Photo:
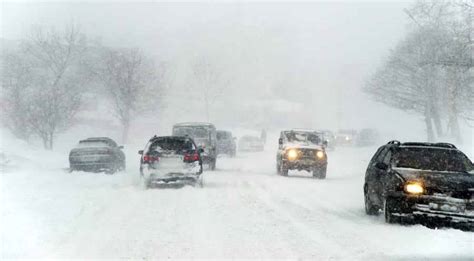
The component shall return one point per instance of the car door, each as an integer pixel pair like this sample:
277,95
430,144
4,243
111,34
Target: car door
381,175
374,183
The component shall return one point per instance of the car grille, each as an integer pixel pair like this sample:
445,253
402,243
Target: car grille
307,153
454,194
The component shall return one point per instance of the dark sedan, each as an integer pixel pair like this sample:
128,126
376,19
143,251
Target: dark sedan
96,155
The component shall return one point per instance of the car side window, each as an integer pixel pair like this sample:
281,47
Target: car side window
387,158
382,155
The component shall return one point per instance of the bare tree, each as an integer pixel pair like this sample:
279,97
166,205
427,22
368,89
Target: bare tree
132,82
430,72
210,82
42,83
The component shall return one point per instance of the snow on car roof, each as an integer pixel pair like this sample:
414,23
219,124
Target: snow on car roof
182,124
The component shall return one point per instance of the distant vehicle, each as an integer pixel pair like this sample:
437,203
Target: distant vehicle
301,150
330,138
367,137
205,137
346,137
96,155
250,144
169,159
414,182
226,143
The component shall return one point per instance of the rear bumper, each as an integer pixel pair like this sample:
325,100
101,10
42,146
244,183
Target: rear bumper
91,166
186,171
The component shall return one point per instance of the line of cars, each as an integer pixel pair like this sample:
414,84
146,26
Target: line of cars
411,182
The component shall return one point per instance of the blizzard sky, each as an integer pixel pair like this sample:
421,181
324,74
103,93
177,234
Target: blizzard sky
316,55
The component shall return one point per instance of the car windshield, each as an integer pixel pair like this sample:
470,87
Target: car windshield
194,132
303,137
171,145
92,144
431,159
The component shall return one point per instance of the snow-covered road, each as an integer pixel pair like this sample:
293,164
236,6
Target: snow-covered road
244,211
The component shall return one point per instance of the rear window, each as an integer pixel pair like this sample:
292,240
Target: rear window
431,159
171,145
92,144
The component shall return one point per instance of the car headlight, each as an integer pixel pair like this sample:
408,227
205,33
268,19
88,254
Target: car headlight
414,187
348,138
292,154
320,154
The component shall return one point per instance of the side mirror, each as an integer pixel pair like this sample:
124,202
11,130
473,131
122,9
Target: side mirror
280,141
140,152
325,143
120,147
201,150
381,165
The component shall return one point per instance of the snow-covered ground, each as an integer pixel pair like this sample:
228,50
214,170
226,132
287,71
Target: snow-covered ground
244,211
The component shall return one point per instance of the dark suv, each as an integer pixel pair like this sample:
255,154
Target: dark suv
301,150
170,159
429,183
205,136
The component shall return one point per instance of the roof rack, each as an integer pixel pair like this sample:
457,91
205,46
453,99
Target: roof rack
396,142
429,144
445,145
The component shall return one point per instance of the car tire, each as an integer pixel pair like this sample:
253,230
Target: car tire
284,170
212,164
319,172
390,208
370,208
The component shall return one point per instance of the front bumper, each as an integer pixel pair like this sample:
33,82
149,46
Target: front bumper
305,164
438,210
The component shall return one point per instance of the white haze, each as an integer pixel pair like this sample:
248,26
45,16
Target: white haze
286,64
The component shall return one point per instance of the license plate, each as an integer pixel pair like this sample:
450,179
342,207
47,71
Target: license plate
448,207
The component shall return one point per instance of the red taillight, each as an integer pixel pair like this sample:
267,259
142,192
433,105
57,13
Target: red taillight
191,157
150,159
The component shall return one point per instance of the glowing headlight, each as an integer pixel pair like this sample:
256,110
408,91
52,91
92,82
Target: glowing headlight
348,138
292,154
320,154
414,187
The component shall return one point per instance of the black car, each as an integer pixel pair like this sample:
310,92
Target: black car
226,143
171,159
301,150
429,183
96,155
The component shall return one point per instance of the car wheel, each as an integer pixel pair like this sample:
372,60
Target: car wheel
212,164
319,173
370,209
390,209
284,170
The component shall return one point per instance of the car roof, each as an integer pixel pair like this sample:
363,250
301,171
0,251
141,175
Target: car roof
98,139
170,137
438,145
224,131
301,130
192,124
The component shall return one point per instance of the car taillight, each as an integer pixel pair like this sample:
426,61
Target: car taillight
191,157
150,159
